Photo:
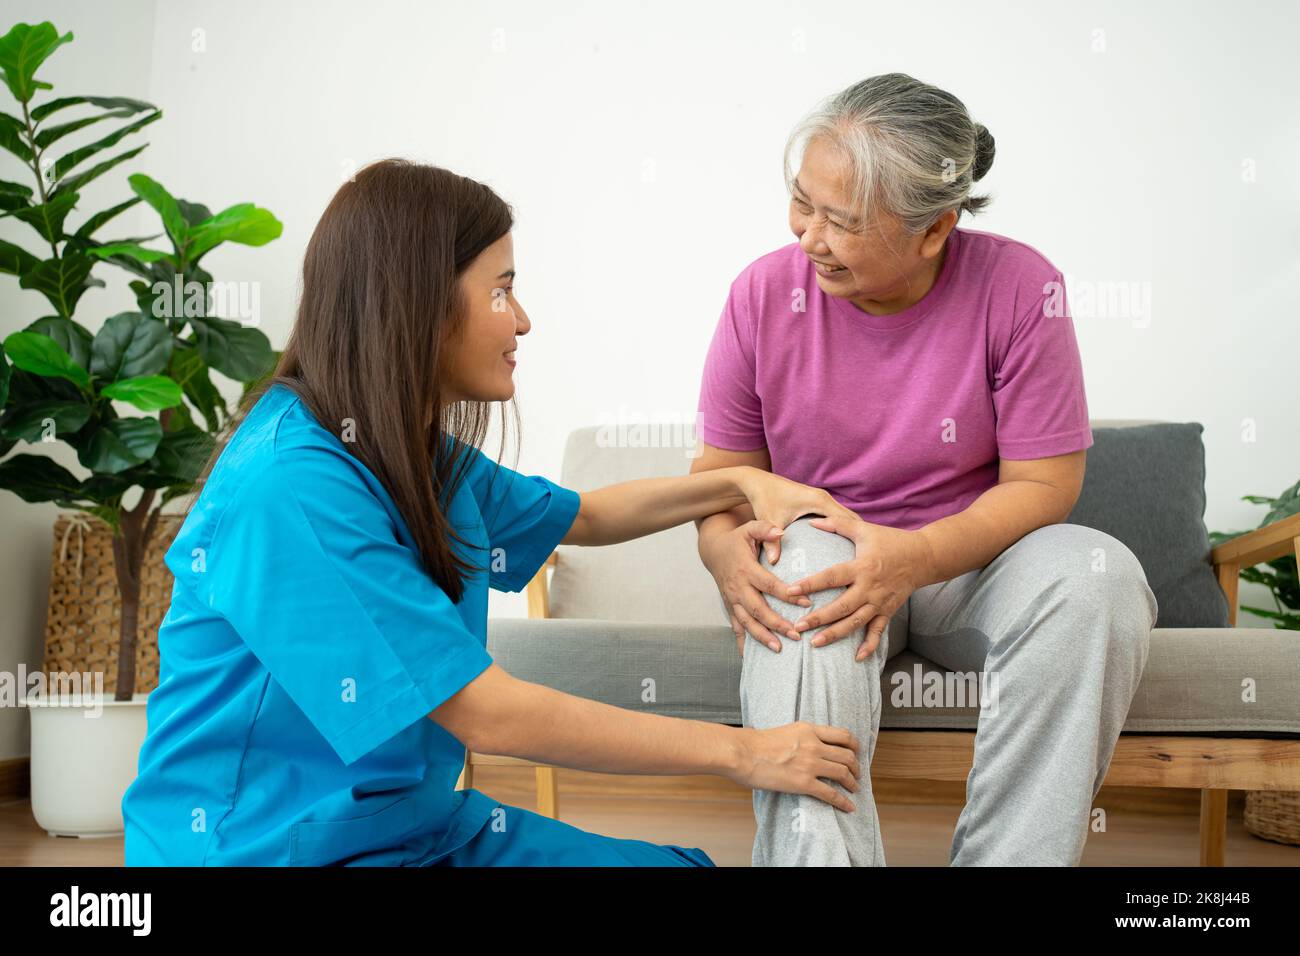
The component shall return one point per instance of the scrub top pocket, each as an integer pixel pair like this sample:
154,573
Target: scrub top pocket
372,840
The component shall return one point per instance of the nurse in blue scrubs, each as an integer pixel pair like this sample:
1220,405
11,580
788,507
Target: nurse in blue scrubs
323,660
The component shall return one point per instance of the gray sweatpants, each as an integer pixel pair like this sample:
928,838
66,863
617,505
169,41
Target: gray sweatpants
1055,629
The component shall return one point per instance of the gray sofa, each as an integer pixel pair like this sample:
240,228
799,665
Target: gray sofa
608,618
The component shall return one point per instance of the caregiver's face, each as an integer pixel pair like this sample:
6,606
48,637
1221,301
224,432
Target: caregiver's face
873,263
481,359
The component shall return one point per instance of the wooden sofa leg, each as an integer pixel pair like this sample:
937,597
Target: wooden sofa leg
1214,826
548,793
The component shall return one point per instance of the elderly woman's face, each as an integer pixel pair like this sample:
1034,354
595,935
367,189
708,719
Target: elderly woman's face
874,264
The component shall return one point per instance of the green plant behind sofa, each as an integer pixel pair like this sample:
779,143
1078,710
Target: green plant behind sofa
1281,580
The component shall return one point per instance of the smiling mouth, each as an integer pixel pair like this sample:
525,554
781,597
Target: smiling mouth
826,269
509,356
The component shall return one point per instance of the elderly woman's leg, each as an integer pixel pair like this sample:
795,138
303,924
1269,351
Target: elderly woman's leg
1060,624
821,685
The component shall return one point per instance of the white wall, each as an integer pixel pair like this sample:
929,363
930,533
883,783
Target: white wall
640,145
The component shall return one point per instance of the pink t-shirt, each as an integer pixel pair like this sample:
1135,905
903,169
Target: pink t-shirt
902,417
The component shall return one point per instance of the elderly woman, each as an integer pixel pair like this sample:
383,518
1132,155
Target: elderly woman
928,377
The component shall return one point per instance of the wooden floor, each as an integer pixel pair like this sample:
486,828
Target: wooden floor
718,817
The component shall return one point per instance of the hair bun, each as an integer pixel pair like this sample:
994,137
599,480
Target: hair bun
984,151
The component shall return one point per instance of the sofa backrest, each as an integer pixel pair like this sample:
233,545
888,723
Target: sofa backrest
657,579
1147,501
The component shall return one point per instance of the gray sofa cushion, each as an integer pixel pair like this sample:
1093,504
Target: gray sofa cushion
1145,485
1192,682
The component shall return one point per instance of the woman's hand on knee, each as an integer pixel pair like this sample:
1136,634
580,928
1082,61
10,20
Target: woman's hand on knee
888,566
733,562
800,758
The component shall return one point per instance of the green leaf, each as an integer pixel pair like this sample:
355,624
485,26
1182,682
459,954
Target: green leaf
14,196
138,253
29,387
133,266
15,260
72,337
234,350
178,418
103,102
47,218
13,137
176,296
245,223
120,444
155,195
1291,620
149,393
188,368
41,355
105,487
52,134
74,183
253,383
194,212
86,246
70,160
37,478
128,345
1285,505
6,372
182,454
28,422
22,50
98,219
61,281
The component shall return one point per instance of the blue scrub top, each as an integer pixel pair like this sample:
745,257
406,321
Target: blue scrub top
304,648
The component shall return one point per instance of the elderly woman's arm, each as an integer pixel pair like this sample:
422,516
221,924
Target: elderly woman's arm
1028,495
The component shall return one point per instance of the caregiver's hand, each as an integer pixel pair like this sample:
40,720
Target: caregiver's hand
795,758
889,565
778,501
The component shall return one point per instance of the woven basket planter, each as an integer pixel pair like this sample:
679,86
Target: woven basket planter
1274,815
81,628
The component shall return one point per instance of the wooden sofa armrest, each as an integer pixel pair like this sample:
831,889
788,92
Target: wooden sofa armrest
539,590
1254,547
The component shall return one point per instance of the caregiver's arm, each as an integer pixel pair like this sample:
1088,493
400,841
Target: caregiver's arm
496,713
1029,494
632,509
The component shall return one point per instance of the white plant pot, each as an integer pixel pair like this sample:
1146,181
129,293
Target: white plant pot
85,752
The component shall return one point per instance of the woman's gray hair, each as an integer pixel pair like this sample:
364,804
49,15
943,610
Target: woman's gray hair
913,149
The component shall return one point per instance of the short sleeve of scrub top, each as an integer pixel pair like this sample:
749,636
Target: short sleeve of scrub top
524,516
307,566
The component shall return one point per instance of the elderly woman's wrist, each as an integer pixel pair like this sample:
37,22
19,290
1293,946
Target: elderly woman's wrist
926,560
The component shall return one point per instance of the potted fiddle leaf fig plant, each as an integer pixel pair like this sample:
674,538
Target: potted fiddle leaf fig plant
134,399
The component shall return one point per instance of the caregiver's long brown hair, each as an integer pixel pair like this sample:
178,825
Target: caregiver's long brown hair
380,301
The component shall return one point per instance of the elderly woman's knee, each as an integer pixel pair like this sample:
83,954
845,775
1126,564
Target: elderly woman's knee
807,549
1095,569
